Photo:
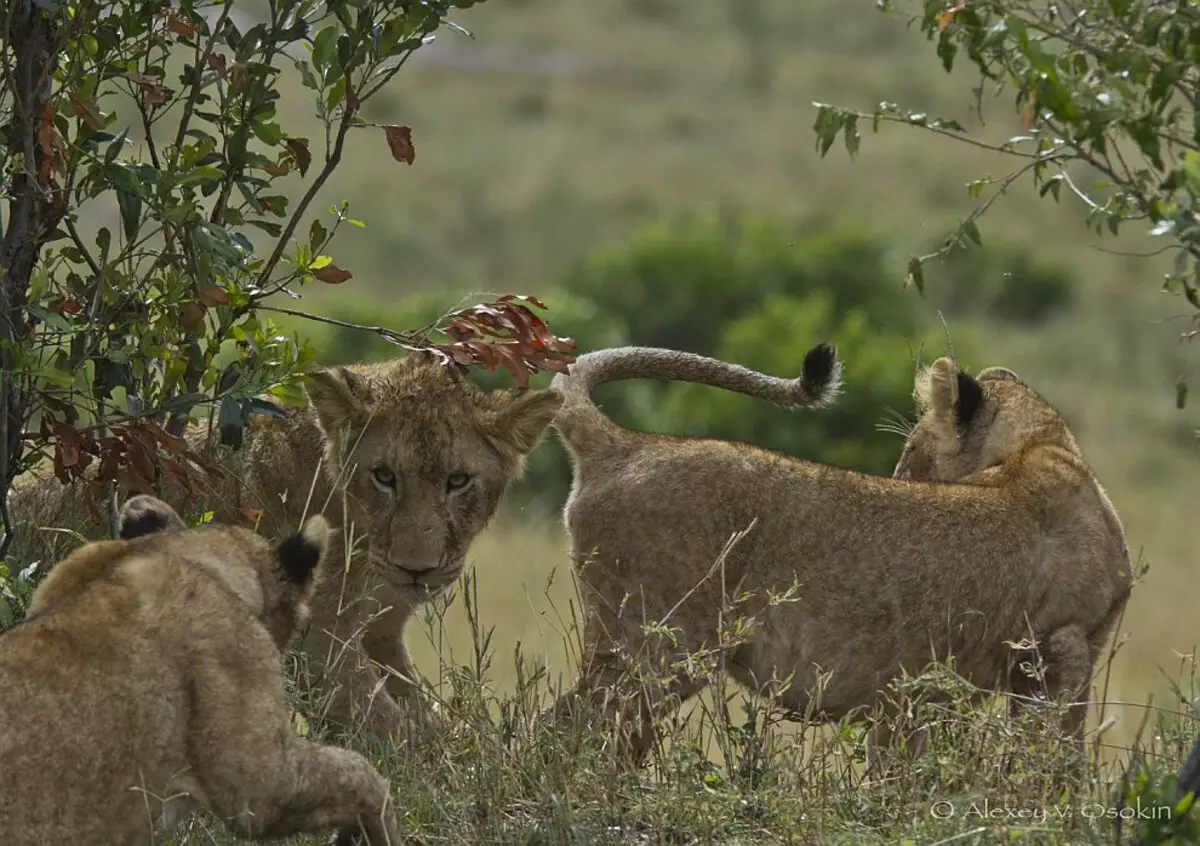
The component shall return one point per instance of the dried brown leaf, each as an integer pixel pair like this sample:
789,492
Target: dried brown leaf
399,139
299,149
211,295
85,109
191,316
331,274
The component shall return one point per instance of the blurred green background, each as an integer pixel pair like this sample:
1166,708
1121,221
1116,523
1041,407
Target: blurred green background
647,167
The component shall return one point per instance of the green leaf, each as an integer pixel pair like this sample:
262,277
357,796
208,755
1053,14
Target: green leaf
916,274
271,228
306,76
324,46
257,405
972,231
201,176
316,235
183,403
828,124
230,421
1052,186
851,136
131,213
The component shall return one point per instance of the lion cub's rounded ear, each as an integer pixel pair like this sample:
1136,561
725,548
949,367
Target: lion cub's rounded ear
1002,373
299,554
522,418
146,515
338,395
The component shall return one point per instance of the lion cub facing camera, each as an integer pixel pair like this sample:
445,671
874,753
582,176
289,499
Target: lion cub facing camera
147,682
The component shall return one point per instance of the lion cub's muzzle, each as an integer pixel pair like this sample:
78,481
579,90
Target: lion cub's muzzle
427,578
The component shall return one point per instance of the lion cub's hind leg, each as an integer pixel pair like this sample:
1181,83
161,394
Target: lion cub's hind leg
1066,671
630,700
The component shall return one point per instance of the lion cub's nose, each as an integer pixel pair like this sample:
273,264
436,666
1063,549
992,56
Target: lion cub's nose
420,566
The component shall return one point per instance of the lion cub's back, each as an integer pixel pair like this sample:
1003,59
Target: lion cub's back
93,704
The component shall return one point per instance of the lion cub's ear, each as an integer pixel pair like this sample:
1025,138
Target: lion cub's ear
339,396
953,394
300,553
145,515
522,418
1002,373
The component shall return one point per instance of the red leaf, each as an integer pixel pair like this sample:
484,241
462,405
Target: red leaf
238,77
86,110
131,481
299,149
947,15
399,139
169,442
512,362
60,470
191,316
211,295
180,28
252,515
276,168
331,274
217,62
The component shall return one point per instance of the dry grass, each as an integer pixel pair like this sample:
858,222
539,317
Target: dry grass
733,770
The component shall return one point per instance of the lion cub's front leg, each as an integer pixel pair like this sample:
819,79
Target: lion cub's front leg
401,679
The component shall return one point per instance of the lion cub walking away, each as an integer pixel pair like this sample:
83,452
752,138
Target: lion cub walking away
885,574
147,681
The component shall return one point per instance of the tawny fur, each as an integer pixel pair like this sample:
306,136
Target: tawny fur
451,450
891,574
147,681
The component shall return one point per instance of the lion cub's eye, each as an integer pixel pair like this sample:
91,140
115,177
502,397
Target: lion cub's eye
384,478
456,482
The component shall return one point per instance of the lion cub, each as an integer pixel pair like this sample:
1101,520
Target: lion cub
147,681
843,580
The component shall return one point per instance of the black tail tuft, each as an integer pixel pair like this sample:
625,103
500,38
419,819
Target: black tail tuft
298,557
820,368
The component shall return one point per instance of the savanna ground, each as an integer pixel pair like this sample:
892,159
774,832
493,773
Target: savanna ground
566,126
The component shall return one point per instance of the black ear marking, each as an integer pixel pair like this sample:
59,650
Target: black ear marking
146,515
970,397
298,556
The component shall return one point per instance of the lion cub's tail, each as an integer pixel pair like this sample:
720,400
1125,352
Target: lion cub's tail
584,427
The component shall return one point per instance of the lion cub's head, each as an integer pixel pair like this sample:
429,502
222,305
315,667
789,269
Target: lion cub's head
275,580
967,424
424,457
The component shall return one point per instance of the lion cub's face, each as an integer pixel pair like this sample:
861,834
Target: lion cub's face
967,424
424,457
275,580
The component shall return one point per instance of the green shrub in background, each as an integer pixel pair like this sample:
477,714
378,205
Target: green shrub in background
878,380
1006,283
678,284
748,290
